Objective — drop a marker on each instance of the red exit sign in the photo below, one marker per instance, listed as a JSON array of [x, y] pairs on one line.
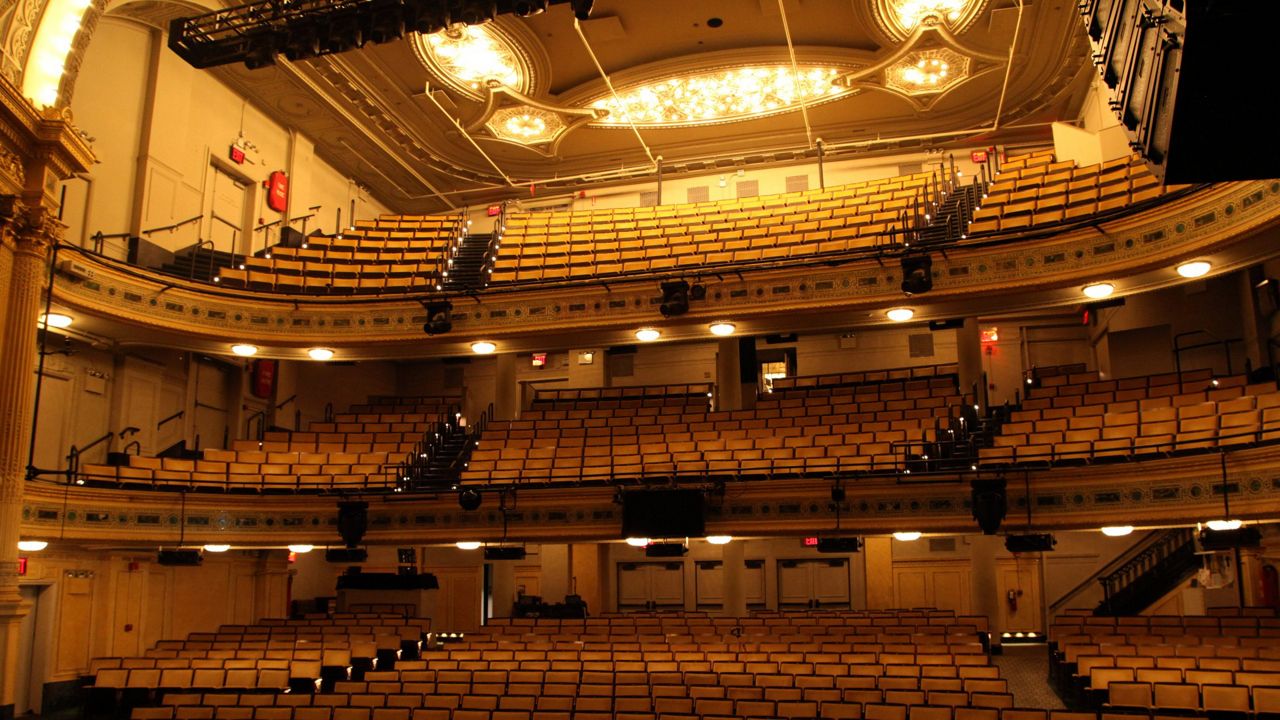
[[978, 156], [237, 155], [494, 210], [811, 542]]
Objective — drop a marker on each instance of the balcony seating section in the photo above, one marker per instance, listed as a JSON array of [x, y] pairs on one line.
[[1079, 418], [361, 448], [1227, 663], [395, 253], [690, 395], [807, 384], [554, 246], [856, 428], [1038, 191]]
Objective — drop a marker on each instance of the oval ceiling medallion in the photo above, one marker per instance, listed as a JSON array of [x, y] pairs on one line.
[[900, 18], [472, 58], [715, 96]]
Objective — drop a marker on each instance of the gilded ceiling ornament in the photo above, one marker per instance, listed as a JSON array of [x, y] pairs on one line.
[[510, 117], [708, 97], [900, 18], [475, 58], [926, 72]]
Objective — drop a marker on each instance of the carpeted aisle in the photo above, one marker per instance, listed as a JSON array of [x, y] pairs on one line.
[[1026, 667]]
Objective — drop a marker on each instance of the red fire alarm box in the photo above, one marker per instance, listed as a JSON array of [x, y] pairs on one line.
[[264, 378], [278, 191]]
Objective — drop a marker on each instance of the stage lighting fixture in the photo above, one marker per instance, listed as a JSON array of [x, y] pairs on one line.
[[439, 318], [353, 521], [917, 274], [838, 494], [475, 12], [582, 8], [525, 8], [675, 298], [990, 503], [469, 499], [386, 23]]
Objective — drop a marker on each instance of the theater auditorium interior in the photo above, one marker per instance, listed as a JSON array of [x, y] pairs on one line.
[[638, 360]]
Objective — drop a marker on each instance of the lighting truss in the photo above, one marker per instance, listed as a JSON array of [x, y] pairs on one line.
[[256, 32]]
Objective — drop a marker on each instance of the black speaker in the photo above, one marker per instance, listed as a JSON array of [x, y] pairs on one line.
[[675, 298], [470, 499], [439, 318], [839, 544], [346, 555], [504, 553], [663, 513], [665, 550], [179, 557], [1042, 542], [1214, 540], [353, 521], [990, 504], [917, 274]]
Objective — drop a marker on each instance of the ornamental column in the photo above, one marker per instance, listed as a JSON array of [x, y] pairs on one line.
[[26, 235]]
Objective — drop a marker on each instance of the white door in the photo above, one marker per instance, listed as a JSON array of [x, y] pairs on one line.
[[228, 198], [53, 438], [805, 583], [211, 404], [29, 681], [642, 585]]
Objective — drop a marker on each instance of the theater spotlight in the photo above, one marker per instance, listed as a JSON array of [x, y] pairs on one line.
[[917, 274], [469, 499], [990, 504], [439, 318], [582, 8], [353, 521], [474, 12], [675, 298], [525, 8]]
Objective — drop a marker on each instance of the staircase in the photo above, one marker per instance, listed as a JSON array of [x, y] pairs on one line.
[[437, 464], [1167, 562], [467, 272], [949, 221], [198, 263]]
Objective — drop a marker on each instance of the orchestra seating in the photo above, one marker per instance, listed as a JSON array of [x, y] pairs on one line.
[[359, 448], [666, 430], [1226, 663], [1079, 418], [395, 253], [1034, 190]]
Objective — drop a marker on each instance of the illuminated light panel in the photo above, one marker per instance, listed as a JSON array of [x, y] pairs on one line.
[[468, 544], [527, 126], [900, 314], [483, 347], [301, 549], [476, 56], [56, 320], [719, 96], [647, 334], [245, 350], [1193, 269], [927, 71], [47, 61], [32, 545], [1098, 291], [1117, 530], [217, 548], [722, 329], [906, 536], [321, 354], [1220, 525], [719, 539], [637, 541]]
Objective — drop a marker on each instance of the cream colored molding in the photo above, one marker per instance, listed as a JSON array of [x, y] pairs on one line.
[[1171, 491], [1224, 217], [502, 99]]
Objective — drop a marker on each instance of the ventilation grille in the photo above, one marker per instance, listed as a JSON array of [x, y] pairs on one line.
[[920, 346], [702, 193], [649, 198], [910, 168], [622, 365], [748, 188], [797, 183], [942, 545]]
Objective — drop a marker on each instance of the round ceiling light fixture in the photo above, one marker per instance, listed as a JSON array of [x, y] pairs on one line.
[[907, 536], [719, 539], [647, 334], [55, 320], [900, 314], [32, 545], [722, 329], [217, 548], [638, 541], [301, 549], [483, 347], [1195, 268], [1220, 525], [1117, 530], [244, 349], [468, 544], [321, 354], [1098, 291]]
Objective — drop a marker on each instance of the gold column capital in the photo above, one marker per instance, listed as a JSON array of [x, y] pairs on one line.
[[28, 229]]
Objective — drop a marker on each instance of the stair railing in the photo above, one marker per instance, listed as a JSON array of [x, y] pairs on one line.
[[1124, 576]]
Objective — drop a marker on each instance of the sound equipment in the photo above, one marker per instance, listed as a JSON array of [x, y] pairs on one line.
[[990, 504], [663, 513], [839, 544], [504, 553], [1040, 542], [1214, 540], [353, 521], [179, 557], [665, 550], [346, 555]]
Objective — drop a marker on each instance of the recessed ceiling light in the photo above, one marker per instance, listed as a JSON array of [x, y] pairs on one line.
[[907, 536], [57, 320], [468, 544], [1097, 291], [301, 549], [723, 328], [719, 539], [217, 548], [321, 354], [647, 334], [245, 350], [637, 541], [900, 314], [32, 545], [1117, 530], [483, 347], [1220, 525], [1194, 269]]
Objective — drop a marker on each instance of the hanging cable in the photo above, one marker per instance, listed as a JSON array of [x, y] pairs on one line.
[[1008, 66], [795, 75], [609, 83], [470, 139]]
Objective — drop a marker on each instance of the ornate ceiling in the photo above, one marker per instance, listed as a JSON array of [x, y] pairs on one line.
[[703, 85]]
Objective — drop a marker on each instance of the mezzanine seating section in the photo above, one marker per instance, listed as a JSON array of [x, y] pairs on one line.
[[395, 253], [361, 448], [852, 428], [1080, 418]]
